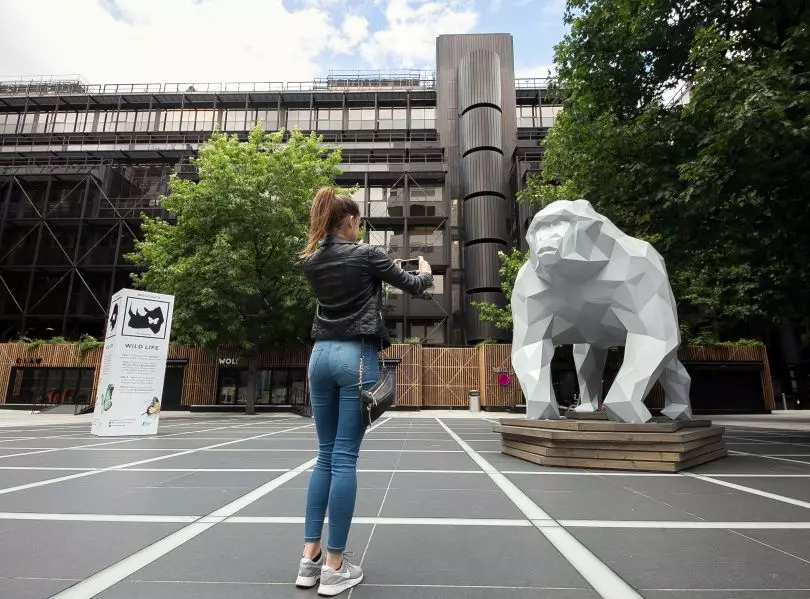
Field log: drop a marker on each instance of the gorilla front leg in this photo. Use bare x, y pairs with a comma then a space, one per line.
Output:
532, 364
590, 364
644, 359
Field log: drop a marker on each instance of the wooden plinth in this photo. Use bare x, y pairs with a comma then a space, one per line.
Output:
653, 446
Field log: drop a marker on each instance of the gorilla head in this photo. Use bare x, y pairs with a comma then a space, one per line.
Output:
570, 239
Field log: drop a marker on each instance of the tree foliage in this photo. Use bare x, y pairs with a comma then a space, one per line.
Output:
230, 258
718, 183
510, 265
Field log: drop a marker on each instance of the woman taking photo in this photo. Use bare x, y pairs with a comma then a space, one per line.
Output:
346, 278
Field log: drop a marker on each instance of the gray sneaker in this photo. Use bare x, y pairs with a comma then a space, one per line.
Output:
335, 582
308, 573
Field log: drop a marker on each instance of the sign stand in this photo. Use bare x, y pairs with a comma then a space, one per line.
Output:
133, 365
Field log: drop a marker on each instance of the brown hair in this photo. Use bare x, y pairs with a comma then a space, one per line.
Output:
327, 214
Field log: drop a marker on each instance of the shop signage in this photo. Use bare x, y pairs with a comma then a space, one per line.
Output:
133, 365
29, 360
229, 361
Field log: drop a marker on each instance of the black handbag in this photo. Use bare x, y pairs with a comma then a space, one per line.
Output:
380, 397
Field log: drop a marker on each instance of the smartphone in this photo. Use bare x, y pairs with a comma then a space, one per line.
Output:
410, 265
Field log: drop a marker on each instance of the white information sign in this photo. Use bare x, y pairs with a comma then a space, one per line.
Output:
133, 366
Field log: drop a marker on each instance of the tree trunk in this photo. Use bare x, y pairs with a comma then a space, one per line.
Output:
253, 376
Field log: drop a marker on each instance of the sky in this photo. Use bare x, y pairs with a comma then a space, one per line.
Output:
178, 41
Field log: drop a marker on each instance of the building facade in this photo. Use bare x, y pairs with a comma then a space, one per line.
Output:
437, 159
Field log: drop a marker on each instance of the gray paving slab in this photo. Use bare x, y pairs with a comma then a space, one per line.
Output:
436, 461
175, 443
466, 555
562, 483
110, 500
242, 553
15, 478
795, 542
365, 480
292, 502
220, 460
79, 459
117, 479
219, 480
609, 504
196, 590
694, 559
71, 550
371, 591
472, 481
445, 503
768, 448
732, 594
27, 588
422, 444
738, 464
501, 461
273, 443
795, 488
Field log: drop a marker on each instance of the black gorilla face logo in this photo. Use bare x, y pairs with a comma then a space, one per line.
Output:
151, 319
114, 318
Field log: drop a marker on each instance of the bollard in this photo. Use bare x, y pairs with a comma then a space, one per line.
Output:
475, 400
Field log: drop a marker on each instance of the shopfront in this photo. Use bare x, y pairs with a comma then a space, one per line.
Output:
274, 387
50, 386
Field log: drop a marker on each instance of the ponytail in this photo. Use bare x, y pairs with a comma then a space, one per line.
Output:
327, 214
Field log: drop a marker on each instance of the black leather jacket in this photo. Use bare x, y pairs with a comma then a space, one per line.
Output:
347, 280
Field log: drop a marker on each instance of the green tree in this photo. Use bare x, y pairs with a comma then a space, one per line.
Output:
510, 265
718, 183
230, 258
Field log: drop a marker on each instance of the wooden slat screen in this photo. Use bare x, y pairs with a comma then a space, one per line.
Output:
426, 376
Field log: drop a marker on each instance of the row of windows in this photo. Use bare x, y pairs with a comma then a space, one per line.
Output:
118, 121
537, 116
389, 202
427, 332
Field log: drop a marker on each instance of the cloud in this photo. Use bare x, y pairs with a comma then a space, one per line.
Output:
412, 26
167, 41
352, 33
540, 71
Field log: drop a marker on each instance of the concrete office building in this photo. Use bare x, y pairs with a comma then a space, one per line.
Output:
438, 159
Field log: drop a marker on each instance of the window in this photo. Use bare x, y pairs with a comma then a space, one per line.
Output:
454, 207
456, 298
235, 120
396, 329
126, 121
359, 197
549, 115
386, 202
298, 119
455, 255
423, 118
429, 333
28, 123
50, 385
426, 201
427, 242
390, 240
204, 120
526, 116
361, 118
8, 123
268, 119
171, 120
392, 118
330, 119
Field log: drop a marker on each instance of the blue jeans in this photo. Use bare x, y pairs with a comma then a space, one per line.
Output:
334, 394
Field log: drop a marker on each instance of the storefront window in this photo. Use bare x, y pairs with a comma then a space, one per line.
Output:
273, 387
50, 385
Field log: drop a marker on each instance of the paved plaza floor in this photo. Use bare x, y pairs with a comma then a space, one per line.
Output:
213, 508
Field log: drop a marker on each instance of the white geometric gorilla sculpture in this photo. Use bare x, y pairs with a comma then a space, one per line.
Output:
588, 284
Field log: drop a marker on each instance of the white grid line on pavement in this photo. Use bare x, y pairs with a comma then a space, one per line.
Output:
604, 581
130, 464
